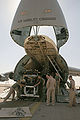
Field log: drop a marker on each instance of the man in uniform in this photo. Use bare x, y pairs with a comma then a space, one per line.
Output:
51, 85
72, 98
57, 78
18, 87
40, 83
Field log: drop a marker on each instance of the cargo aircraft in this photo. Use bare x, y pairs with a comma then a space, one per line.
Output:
42, 53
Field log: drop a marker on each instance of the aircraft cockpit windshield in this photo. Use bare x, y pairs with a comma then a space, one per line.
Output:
44, 30
58, 34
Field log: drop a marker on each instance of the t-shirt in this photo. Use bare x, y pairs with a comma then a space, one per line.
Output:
57, 78
41, 83
72, 82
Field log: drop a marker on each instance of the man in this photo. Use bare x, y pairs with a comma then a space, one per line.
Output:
39, 82
18, 87
51, 85
57, 78
72, 98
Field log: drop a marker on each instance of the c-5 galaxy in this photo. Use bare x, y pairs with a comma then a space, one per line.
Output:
42, 53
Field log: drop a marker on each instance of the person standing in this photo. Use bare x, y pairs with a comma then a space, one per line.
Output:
57, 78
51, 85
40, 83
72, 97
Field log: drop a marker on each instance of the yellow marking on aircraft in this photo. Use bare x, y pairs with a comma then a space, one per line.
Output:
32, 110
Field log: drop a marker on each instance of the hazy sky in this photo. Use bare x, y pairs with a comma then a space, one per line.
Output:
11, 53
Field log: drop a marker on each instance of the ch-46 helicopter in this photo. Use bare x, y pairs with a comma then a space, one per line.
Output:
42, 53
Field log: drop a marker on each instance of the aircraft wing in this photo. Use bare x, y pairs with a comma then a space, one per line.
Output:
74, 71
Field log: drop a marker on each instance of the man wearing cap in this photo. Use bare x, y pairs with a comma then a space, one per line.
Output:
72, 98
57, 78
40, 83
18, 87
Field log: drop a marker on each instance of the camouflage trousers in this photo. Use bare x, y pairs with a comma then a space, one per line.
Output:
72, 97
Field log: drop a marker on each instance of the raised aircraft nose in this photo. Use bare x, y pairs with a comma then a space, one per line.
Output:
38, 13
